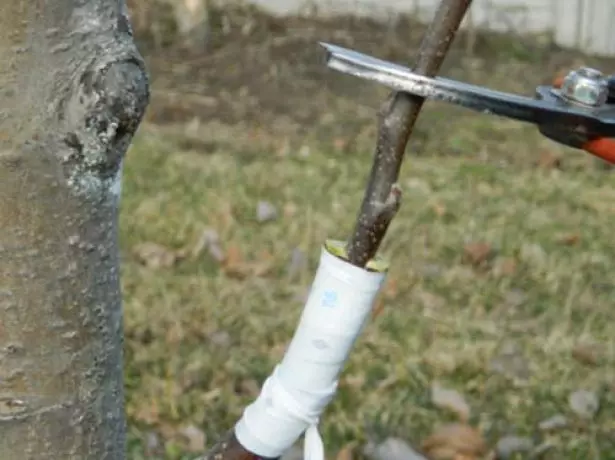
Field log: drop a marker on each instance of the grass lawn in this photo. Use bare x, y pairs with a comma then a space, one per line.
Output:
201, 337
501, 285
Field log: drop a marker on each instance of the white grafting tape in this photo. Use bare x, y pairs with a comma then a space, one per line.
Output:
301, 386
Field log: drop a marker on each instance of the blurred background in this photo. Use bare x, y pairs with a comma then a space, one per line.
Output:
492, 336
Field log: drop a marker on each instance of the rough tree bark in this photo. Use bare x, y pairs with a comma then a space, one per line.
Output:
73, 90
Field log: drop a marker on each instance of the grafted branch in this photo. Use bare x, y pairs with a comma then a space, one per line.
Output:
382, 196
397, 118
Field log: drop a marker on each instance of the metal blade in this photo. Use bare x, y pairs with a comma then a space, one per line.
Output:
544, 111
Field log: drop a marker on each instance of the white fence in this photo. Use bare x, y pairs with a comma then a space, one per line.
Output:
588, 25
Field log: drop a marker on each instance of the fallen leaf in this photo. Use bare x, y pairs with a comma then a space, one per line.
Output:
454, 442
504, 266
305, 151
391, 288
439, 209
209, 241
352, 381
175, 334
290, 210
249, 387
584, 403
508, 446
284, 149
193, 127
392, 449
225, 218
477, 253
152, 444
234, 258
510, 362
451, 400
515, 298
220, 338
429, 300
340, 144
549, 160
216, 253
346, 452
235, 266
195, 437
570, 239
441, 362
555, 422
168, 431
265, 211
430, 270
586, 354
148, 413
262, 265
156, 256
533, 254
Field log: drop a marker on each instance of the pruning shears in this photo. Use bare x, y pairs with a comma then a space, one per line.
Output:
577, 111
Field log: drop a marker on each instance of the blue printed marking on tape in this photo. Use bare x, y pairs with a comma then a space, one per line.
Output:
329, 299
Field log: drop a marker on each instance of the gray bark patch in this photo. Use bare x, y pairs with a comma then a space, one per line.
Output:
102, 115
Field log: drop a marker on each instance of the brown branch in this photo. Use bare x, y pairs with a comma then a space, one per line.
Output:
383, 196
397, 118
229, 448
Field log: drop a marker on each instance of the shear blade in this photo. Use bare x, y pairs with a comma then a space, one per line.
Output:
544, 111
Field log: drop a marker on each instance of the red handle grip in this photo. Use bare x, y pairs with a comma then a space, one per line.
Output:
602, 147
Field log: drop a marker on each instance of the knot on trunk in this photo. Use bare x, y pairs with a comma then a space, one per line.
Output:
101, 115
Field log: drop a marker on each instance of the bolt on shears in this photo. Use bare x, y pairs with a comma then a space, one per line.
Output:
577, 111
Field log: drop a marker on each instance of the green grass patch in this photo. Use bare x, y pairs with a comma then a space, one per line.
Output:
199, 341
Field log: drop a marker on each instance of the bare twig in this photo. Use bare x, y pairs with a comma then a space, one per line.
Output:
382, 197
397, 117
229, 448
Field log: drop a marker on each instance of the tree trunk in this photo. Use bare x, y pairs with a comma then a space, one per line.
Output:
73, 90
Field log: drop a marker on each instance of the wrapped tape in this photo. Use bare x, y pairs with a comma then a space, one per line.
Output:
297, 392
